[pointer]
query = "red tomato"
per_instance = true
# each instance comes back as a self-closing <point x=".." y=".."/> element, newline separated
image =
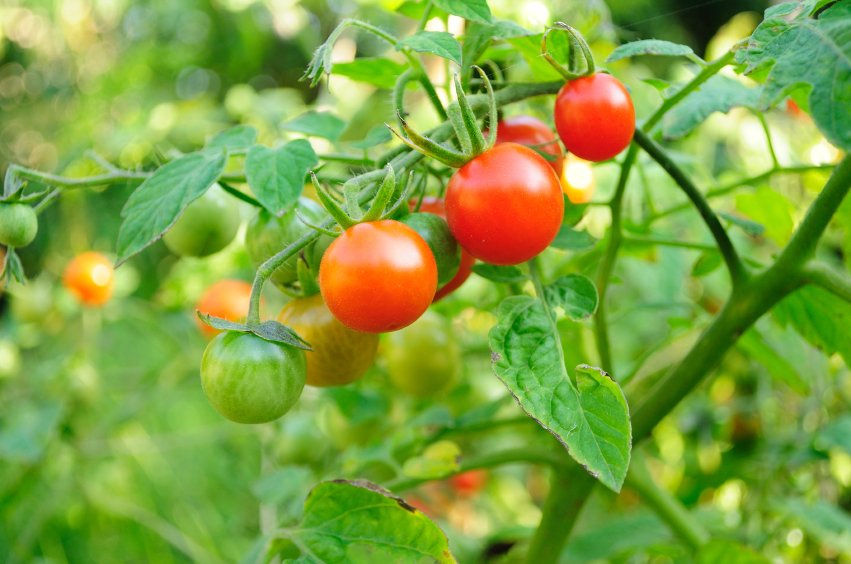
<point x="505" y="206"/>
<point x="527" y="130"/>
<point x="227" y="299"/>
<point x="89" y="276"/>
<point x="435" y="205"/>
<point x="378" y="277"/>
<point x="594" y="117"/>
<point x="469" y="483"/>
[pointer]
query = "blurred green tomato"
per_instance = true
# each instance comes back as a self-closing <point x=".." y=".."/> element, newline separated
<point x="422" y="359"/>
<point x="18" y="224"/>
<point x="251" y="380"/>
<point x="446" y="250"/>
<point x="342" y="432"/>
<point x="33" y="302"/>
<point x="10" y="359"/>
<point x="206" y="226"/>
<point x="300" y="440"/>
<point x="267" y="235"/>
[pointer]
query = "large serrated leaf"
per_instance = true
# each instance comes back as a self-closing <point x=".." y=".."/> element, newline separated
<point x="649" y="47"/>
<point x="808" y="53"/>
<point x="590" y="418"/>
<point x="157" y="203"/>
<point x="575" y="293"/>
<point x="820" y="317"/>
<point x="360" y="522"/>
<point x="718" y="94"/>
<point x="440" y="43"/>
<point x="473" y="10"/>
<point x="237" y="137"/>
<point x="276" y="176"/>
<point x="376" y="71"/>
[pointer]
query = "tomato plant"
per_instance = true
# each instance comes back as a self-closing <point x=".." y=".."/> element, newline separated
<point x="340" y="355"/>
<point x="378" y="277"/>
<point x="661" y="309"/>
<point x="250" y="380"/>
<point x="89" y="276"/>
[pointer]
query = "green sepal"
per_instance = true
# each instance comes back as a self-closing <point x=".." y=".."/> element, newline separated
<point x="12" y="269"/>
<point x="306" y="278"/>
<point x="576" y="39"/>
<point x="330" y="205"/>
<point x="382" y="198"/>
<point x="313" y="226"/>
<point x="400" y="208"/>
<point x="350" y="194"/>
<point x="471" y="124"/>
<point x="493" y="112"/>
<point x="461" y="133"/>
<point x="441" y="153"/>
<point x="270" y="330"/>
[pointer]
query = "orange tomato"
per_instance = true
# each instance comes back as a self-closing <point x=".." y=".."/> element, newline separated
<point x="577" y="180"/>
<point x="90" y="277"/>
<point x="226" y="299"/>
<point x="469" y="483"/>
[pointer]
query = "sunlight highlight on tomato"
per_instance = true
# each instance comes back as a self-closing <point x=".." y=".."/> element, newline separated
<point x="89" y="276"/>
<point x="578" y="180"/>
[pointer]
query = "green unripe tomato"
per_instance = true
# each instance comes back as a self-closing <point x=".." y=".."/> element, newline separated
<point x="319" y="247"/>
<point x="267" y="235"/>
<point x="251" y="380"/>
<point x="422" y="358"/>
<point x="444" y="247"/>
<point x="206" y="226"/>
<point x="18" y="224"/>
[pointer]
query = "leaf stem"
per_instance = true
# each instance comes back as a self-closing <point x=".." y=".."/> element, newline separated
<point x="824" y="276"/>
<point x="664" y="504"/>
<point x="650" y="240"/>
<point x="768" y="138"/>
<point x="239" y="195"/>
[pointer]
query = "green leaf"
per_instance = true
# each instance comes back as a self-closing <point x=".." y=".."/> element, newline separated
<point x="157" y="203"/>
<point x="590" y="417"/>
<point x="614" y="536"/>
<point x="282" y="486"/>
<point x="707" y="262"/>
<point x="823" y="521"/>
<point x="378" y="72"/>
<point x="723" y="551"/>
<point x="237" y="137"/>
<point x="819" y="317"/>
<point x="752" y="228"/>
<point x="507" y="29"/>
<point x="575" y="293"/>
<point x="440" y="43"/>
<point x="649" y="47"/>
<point x="718" y="94"/>
<point x="836" y="435"/>
<point x="504" y="274"/>
<point x="658" y="84"/>
<point x="360" y="522"/>
<point x="530" y="48"/>
<point x="771" y="209"/>
<point x="375" y="136"/>
<point x="317" y="124"/>
<point x="270" y="330"/>
<point x="810" y="54"/>
<point x="569" y="239"/>
<point x="26" y="429"/>
<point x="437" y="461"/>
<point x="753" y="345"/>
<point x="479" y="35"/>
<point x="276" y="176"/>
<point x="473" y="10"/>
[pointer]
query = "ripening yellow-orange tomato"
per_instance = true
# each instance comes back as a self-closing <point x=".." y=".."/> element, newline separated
<point x="226" y="299"/>
<point x="577" y="180"/>
<point x="90" y="277"/>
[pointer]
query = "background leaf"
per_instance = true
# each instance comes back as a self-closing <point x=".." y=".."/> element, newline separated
<point x="361" y="522"/>
<point x="377" y="71"/>
<point x="723" y="551"/>
<point x="752" y="344"/>
<point x="157" y="203"/>
<point x="837" y="434"/>
<point x="807" y="53"/>
<point x="590" y="417"/>
<point x="276" y="176"/>
<point x="575" y="293"/>
<point x="718" y="94"/>
<point x="822" y="520"/>
<point x="820" y="317"/>
<point x="752" y="228"/>
<point x="648" y="47"/>
<point x="569" y="239"/>
<point x="473" y="10"/>
<point x="25" y="430"/>
<point x="707" y="262"/>
<point x="236" y="137"/>
<point x="375" y="136"/>
<point x="317" y="124"/>
<point x="440" y="43"/>
<point x="504" y="274"/>
<point x="770" y="209"/>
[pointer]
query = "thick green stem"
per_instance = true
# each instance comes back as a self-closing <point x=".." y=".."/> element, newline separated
<point x="568" y="492"/>
<point x="112" y="177"/>
<point x="824" y="276"/>
<point x="738" y="271"/>
<point x="664" y="504"/>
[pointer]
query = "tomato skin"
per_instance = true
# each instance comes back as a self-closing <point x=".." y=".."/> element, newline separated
<point x="422" y="359"/>
<point x="340" y="355"/>
<point x="505" y="206"/>
<point x="227" y="299"/>
<point x="435" y="232"/>
<point x="378" y="277"/>
<point x="267" y="235"/>
<point x="205" y="227"/>
<point x="435" y="205"/>
<point x="594" y="117"/>
<point x="469" y="483"/>
<point x="578" y="180"/>
<point x="528" y="130"/>
<point x="18" y="224"/>
<point x="90" y="277"/>
<point x="250" y="380"/>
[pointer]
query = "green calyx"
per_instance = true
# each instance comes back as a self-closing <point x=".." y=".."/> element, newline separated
<point x="580" y="61"/>
<point x="381" y="207"/>
<point x="463" y="119"/>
